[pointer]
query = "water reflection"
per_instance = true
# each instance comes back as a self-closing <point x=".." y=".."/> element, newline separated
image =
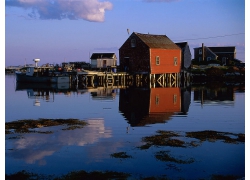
<point x="141" y="106"/>
<point x="198" y="143"/>
<point x="42" y="91"/>
<point x="102" y="93"/>
<point x="44" y="140"/>
<point x="216" y="94"/>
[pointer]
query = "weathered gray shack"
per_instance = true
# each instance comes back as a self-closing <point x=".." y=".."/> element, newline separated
<point x="186" y="57"/>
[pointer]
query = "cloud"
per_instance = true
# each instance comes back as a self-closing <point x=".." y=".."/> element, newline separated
<point x="48" y="144"/>
<point x="90" y="10"/>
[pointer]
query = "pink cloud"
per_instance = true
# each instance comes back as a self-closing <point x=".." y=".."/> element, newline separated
<point x="90" y="10"/>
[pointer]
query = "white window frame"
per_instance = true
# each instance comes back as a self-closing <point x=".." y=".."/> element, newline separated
<point x="175" y="61"/>
<point x="157" y="100"/>
<point x="175" y="99"/>
<point x="157" y="60"/>
<point x="133" y="43"/>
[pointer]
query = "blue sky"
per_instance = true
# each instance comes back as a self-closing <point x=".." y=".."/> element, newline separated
<point x="59" y="31"/>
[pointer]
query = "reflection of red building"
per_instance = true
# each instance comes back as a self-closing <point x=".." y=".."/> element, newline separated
<point x="150" y="106"/>
<point x="164" y="100"/>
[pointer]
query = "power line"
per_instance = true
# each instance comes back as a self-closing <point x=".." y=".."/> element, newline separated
<point x="214" y="36"/>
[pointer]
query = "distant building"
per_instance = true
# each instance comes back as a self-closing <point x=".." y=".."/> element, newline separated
<point x="225" y="54"/>
<point x="148" y="53"/>
<point x="103" y="60"/>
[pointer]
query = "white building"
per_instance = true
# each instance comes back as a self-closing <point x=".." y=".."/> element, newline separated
<point x="103" y="60"/>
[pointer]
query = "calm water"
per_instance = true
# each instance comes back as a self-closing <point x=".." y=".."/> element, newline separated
<point x="124" y="122"/>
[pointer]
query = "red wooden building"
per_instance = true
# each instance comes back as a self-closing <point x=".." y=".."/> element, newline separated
<point x="150" y="54"/>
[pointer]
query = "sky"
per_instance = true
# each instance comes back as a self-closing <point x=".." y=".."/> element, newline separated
<point x="57" y="31"/>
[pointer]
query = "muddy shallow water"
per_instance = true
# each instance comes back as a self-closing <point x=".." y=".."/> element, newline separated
<point x="136" y="133"/>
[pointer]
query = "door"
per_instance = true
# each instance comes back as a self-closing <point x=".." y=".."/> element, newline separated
<point x="126" y="64"/>
<point x="104" y="63"/>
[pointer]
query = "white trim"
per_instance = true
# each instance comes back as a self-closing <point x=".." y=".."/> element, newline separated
<point x="175" y="61"/>
<point x="133" y="42"/>
<point x="157" y="60"/>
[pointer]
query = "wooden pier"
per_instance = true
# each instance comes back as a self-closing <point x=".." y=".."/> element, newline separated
<point x="91" y="79"/>
<point x="88" y="79"/>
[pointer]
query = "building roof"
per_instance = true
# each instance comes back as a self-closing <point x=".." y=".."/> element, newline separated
<point x="102" y="55"/>
<point x="221" y="49"/>
<point x="212" y="52"/>
<point x="157" y="41"/>
<point x="181" y="44"/>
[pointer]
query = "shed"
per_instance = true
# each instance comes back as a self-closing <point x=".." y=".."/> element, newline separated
<point x="148" y="53"/>
<point x="186" y="57"/>
<point x="103" y="60"/>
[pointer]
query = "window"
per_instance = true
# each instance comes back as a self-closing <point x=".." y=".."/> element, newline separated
<point x="104" y="63"/>
<point x="224" y="60"/>
<point x="157" y="60"/>
<point x="208" y="58"/>
<point x="175" y="61"/>
<point x="133" y="43"/>
<point x="200" y="51"/>
<point x="175" y="99"/>
<point x="157" y="99"/>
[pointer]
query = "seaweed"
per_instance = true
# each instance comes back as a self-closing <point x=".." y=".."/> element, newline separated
<point x="122" y="155"/>
<point x="25" y="126"/>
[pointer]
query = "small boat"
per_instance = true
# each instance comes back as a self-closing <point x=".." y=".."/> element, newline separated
<point x="44" y="74"/>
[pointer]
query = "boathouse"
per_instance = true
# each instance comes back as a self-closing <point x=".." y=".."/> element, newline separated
<point x="103" y="60"/>
<point x="148" y="53"/>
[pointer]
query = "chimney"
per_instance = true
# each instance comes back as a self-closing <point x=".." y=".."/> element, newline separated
<point x="202" y="51"/>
